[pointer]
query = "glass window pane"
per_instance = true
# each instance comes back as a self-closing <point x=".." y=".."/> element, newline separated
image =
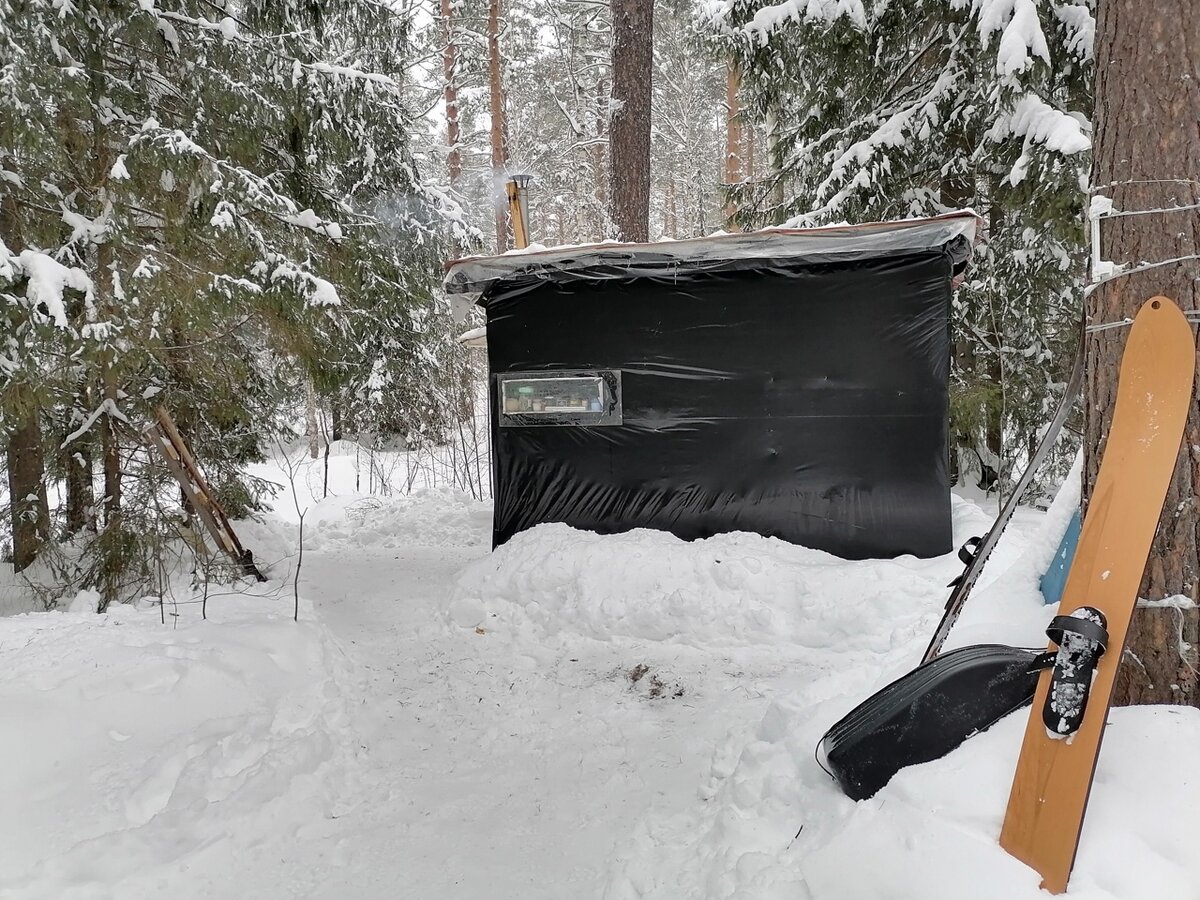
<point x="553" y="395"/>
<point x="569" y="398"/>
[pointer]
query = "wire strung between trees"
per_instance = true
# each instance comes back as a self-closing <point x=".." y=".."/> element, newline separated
<point x="1104" y="187"/>
<point x="1140" y="267"/>
<point x="1192" y="315"/>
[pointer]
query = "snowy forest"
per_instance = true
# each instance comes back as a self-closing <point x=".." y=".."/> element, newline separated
<point x="287" y="181"/>
<point x="244" y="419"/>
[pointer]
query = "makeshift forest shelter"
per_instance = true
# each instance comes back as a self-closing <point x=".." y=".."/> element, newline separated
<point x="792" y="383"/>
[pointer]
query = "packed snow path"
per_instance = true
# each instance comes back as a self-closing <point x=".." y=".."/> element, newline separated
<point x="581" y="684"/>
<point x="498" y="769"/>
<point x="614" y="717"/>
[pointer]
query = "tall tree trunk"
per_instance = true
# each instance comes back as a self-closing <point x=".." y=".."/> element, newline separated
<point x="957" y="193"/>
<point x="113" y="561"/>
<point x="450" y="74"/>
<point x="77" y="457"/>
<point x="1146" y="109"/>
<point x="751" y="156"/>
<point x="499" y="126"/>
<point x="337" y="419"/>
<point x="310" y="419"/>
<point x="995" y="370"/>
<point x="629" y="148"/>
<point x="671" y="213"/>
<point x="27" y="486"/>
<point x="598" y="167"/>
<point x="733" y="134"/>
<point x="29" y="511"/>
<point x="81" y="497"/>
<point x="775" y="151"/>
<point x="110" y="446"/>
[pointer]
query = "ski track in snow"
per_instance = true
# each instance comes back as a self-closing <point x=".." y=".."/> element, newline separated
<point x="448" y="723"/>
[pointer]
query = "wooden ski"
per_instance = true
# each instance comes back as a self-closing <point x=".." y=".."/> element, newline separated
<point x="1054" y="773"/>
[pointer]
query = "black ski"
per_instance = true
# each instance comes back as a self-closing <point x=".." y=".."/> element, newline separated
<point x="983" y="547"/>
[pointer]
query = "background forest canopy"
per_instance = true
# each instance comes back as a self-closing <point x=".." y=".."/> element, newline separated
<point x="237" y="209"/>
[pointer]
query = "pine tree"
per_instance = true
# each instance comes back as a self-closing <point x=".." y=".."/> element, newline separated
<point x="879" y="110"/>
<point x="230" y="213"/>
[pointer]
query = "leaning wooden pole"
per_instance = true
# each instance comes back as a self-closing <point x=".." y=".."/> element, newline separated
<point x="163" y="434"/>
<point x="518" y="213"/>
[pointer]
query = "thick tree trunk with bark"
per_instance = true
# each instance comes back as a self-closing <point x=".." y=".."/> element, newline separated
<point x="110" y="444"/>
<point x="629" y="141"/>
<point x="499" y="126"/>
<point x="733" y="134"/>
<point x="27" y="490"/>
<point x="338" y="425"/>
<point x="81" y="498"/>
<point x="110" y="447"/>
<point x="1147" y="157"/>
<point x="29" y="511"/>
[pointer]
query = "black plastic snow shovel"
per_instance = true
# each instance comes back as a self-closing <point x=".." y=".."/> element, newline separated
<point x="927" y="713"/>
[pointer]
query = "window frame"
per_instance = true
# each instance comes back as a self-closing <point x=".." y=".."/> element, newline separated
<point x="610" y="382"/>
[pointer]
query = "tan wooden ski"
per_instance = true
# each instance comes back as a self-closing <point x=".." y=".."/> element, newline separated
<point x="1054" y="774"/>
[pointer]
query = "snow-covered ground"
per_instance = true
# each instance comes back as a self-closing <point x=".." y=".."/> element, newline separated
<point x="573" y="716"/>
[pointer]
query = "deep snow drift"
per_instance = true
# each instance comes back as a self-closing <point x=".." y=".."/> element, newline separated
<point x="623" y="717"/>
<point x="136" y="751"/>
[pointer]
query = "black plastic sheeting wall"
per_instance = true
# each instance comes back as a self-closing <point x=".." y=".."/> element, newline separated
<point x="803" y="401"/>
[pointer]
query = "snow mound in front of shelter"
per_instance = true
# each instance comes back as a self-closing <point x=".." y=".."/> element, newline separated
<point x="729" y="590"/>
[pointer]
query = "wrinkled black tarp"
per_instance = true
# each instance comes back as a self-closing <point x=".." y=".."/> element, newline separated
<point x="803" y="401"/>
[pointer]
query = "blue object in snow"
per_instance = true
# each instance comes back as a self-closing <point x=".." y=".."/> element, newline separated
<point x="1055" y="579"/>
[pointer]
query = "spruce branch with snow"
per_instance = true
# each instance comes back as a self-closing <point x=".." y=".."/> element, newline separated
<point x="205" y="206"/>
<point x="878" y="110"/>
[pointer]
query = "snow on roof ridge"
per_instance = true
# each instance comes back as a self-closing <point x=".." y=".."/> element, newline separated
<point x="473" y="274"/>
<point x="535" y="248"/>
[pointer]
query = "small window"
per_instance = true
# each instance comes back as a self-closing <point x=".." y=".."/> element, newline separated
<point x="559" y="398"/>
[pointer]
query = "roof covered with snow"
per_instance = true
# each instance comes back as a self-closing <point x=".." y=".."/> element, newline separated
<point x="718" y="252"/>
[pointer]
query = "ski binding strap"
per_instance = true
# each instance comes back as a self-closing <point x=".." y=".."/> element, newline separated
<point x="967" y="553"/>
<point x="1082" y="638"/>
